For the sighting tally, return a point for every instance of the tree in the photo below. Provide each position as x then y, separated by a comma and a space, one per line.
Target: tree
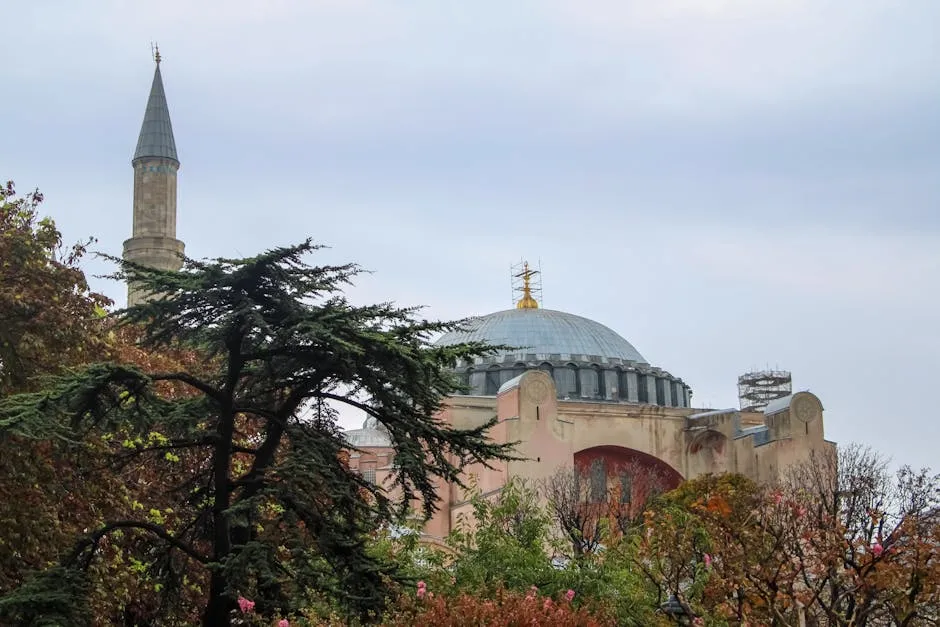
49, 319
842, 542
269, 510
503, 543
867, 540
587, 523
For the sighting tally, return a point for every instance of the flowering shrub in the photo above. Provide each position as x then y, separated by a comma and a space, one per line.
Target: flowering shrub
503, 609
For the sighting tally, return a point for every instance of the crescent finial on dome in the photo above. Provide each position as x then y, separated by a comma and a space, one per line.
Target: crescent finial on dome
527, 301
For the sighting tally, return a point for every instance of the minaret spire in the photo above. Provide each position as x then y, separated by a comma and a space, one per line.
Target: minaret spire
153, 242
156, 132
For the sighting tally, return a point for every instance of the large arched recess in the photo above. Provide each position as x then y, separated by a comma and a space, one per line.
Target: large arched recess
617, 460
708, 453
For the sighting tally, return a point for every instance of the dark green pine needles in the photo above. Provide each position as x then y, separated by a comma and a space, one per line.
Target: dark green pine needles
262, 497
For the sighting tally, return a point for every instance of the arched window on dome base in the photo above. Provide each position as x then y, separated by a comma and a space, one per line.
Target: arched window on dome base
566, 380
623, 385
492, 381
642, 388
660, 391
589, 382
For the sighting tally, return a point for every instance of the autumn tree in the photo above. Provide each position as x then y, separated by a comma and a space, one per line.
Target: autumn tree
866, 540
49, 321
842, 542
272, 511
48, 313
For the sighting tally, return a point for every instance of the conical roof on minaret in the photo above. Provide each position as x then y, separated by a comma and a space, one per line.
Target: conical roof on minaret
156, 133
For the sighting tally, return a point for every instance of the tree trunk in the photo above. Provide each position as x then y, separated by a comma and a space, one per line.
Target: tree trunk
218, 608
217, 612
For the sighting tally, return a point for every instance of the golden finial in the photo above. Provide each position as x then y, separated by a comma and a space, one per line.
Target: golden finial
155, 49
527, 302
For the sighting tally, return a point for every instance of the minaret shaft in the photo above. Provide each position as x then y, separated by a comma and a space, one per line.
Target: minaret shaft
153, 242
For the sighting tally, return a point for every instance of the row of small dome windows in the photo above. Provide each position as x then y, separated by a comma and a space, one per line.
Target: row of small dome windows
583, 382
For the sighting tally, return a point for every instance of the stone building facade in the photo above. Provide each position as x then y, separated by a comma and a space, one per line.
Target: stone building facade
570, 391
578, 397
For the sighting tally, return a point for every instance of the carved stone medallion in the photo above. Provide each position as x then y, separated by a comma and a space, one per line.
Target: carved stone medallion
803, 408
536, 390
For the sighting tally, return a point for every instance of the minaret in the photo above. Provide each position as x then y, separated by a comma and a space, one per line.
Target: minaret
154, 242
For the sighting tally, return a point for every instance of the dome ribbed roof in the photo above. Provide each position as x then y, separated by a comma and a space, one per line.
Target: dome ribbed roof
545, 332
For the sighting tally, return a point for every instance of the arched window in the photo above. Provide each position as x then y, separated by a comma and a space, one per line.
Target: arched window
518, 369
598, 480
589, 382
546, 367
468, 380
601, 382
492, 381
626, 487
566, 379
478, 382
642, 389
622, 387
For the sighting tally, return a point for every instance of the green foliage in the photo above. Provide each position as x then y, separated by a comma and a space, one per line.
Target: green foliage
55, 598
261, 496
509, 529
505, 548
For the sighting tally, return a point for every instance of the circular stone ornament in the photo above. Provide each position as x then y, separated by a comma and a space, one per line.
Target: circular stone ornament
536, 390
804, 408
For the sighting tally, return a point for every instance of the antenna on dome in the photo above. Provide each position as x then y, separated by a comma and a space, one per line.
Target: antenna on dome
523, 284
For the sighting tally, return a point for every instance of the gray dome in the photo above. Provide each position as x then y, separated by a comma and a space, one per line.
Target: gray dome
545, 333
372, 434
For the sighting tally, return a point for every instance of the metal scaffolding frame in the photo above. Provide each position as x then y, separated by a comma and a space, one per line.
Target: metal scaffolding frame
758, 388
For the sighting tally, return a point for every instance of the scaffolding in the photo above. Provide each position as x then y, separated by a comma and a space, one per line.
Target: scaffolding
757, 389
526, 280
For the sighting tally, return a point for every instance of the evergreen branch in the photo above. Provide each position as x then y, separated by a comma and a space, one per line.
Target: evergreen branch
190, 380
92, 540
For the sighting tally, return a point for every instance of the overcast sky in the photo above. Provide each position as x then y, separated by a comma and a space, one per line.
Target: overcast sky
729, 184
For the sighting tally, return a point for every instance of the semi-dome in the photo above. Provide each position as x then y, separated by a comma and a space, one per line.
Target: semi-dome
544, 334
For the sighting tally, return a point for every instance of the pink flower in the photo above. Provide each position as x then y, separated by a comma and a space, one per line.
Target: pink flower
421, 592
421, 585
877, 549
245, 605
569, 595
708, 560
283, 623
534, 590
777, 498
548, 604
698, 620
